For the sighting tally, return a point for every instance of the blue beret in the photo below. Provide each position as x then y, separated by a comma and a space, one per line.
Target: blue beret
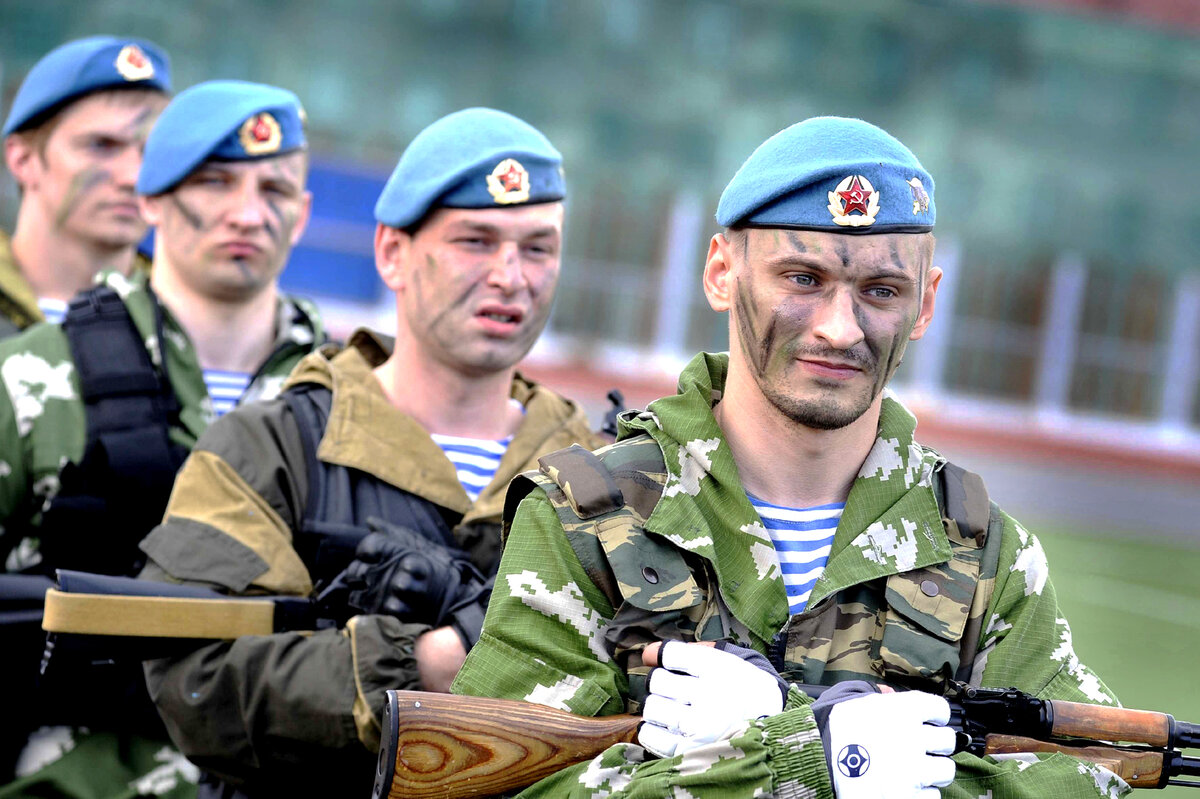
831, 173
86, 65
224, 120
475, 158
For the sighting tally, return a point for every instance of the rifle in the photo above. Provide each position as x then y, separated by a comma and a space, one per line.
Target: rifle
439, 745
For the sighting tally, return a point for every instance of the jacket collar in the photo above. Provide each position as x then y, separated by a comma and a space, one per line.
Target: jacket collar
704, 508
17, 300
365, 431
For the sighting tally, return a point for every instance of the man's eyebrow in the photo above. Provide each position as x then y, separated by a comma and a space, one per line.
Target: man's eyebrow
476, 227
885, 273
541, 232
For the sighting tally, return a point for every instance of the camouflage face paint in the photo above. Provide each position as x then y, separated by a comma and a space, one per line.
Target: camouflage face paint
83, 183
774, 340
189, 215
282, 221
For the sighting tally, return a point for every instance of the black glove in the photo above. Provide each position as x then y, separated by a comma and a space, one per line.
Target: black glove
398, 572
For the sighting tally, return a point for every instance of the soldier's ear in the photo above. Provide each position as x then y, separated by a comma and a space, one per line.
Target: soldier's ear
718, 273
391, 247
928, 299
149, 209
21, 156
303, 217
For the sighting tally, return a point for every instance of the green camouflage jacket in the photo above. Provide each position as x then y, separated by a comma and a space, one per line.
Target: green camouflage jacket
301, 708
42, 418
18, 305
681, 554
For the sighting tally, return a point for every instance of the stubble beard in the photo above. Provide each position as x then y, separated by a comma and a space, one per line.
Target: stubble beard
823, 413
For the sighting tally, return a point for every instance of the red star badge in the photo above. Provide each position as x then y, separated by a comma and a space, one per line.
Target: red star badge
855, 197
512, 178
136, 58
261, 130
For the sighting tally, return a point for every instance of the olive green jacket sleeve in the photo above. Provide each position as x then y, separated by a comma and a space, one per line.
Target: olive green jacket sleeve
260, 704
543, 641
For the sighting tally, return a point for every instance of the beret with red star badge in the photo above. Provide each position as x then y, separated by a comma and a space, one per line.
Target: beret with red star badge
831, 173
475, 158
70, 71
224, 120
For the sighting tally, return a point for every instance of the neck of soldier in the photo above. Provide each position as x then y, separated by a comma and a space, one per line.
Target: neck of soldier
230, 335
443, 399
58, 265
784, 462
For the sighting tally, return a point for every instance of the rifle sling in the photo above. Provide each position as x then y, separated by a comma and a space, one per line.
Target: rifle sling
157, 617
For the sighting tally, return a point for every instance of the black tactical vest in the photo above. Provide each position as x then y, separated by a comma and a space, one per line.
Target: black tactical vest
119, 490
341, 499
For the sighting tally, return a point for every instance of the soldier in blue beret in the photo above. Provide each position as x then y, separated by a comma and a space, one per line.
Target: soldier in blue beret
776, 522
73, 140
98, 413
377, 480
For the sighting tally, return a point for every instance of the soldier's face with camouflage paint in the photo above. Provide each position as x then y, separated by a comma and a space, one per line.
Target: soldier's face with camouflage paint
226, 230
79, 171
475, 286
821, 320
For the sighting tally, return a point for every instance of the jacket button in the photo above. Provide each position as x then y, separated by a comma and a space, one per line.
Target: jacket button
650, 574
929, 588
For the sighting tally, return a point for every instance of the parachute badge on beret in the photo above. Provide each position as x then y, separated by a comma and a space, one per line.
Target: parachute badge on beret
133, 64
260, 134
854, 194
919, 195
509, 182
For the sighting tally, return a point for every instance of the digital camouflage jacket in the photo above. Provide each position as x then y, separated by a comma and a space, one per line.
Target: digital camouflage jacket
676, 551
18, 305
302, 709
43, 423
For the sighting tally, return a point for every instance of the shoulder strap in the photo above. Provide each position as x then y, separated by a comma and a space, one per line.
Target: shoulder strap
310, 404
602, 500
969, 517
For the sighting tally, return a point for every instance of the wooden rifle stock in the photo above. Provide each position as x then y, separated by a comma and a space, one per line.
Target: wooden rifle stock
1141, 768
439, 745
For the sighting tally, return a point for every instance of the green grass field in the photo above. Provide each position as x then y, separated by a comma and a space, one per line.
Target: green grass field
1134, 607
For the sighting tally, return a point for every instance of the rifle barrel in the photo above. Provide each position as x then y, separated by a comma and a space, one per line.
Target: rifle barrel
1187, 736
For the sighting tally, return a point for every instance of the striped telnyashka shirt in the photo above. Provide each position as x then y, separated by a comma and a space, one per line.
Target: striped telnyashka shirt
225, 388
475, 459
54, 310
802, 538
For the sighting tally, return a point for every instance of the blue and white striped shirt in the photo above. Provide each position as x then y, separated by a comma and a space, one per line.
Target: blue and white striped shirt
225, 388
475, 459
802, 538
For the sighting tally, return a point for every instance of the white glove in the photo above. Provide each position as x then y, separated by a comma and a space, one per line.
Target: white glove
891, 745
703, 695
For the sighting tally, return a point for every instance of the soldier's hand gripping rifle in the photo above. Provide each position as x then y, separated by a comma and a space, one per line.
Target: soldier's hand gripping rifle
438, 745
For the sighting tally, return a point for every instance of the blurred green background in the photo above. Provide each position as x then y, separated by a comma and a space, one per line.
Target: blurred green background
1063, 136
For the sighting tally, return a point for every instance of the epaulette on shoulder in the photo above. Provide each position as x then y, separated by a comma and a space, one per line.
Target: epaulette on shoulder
967, 510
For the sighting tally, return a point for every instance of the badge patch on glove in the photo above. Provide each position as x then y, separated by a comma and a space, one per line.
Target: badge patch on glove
853, 760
